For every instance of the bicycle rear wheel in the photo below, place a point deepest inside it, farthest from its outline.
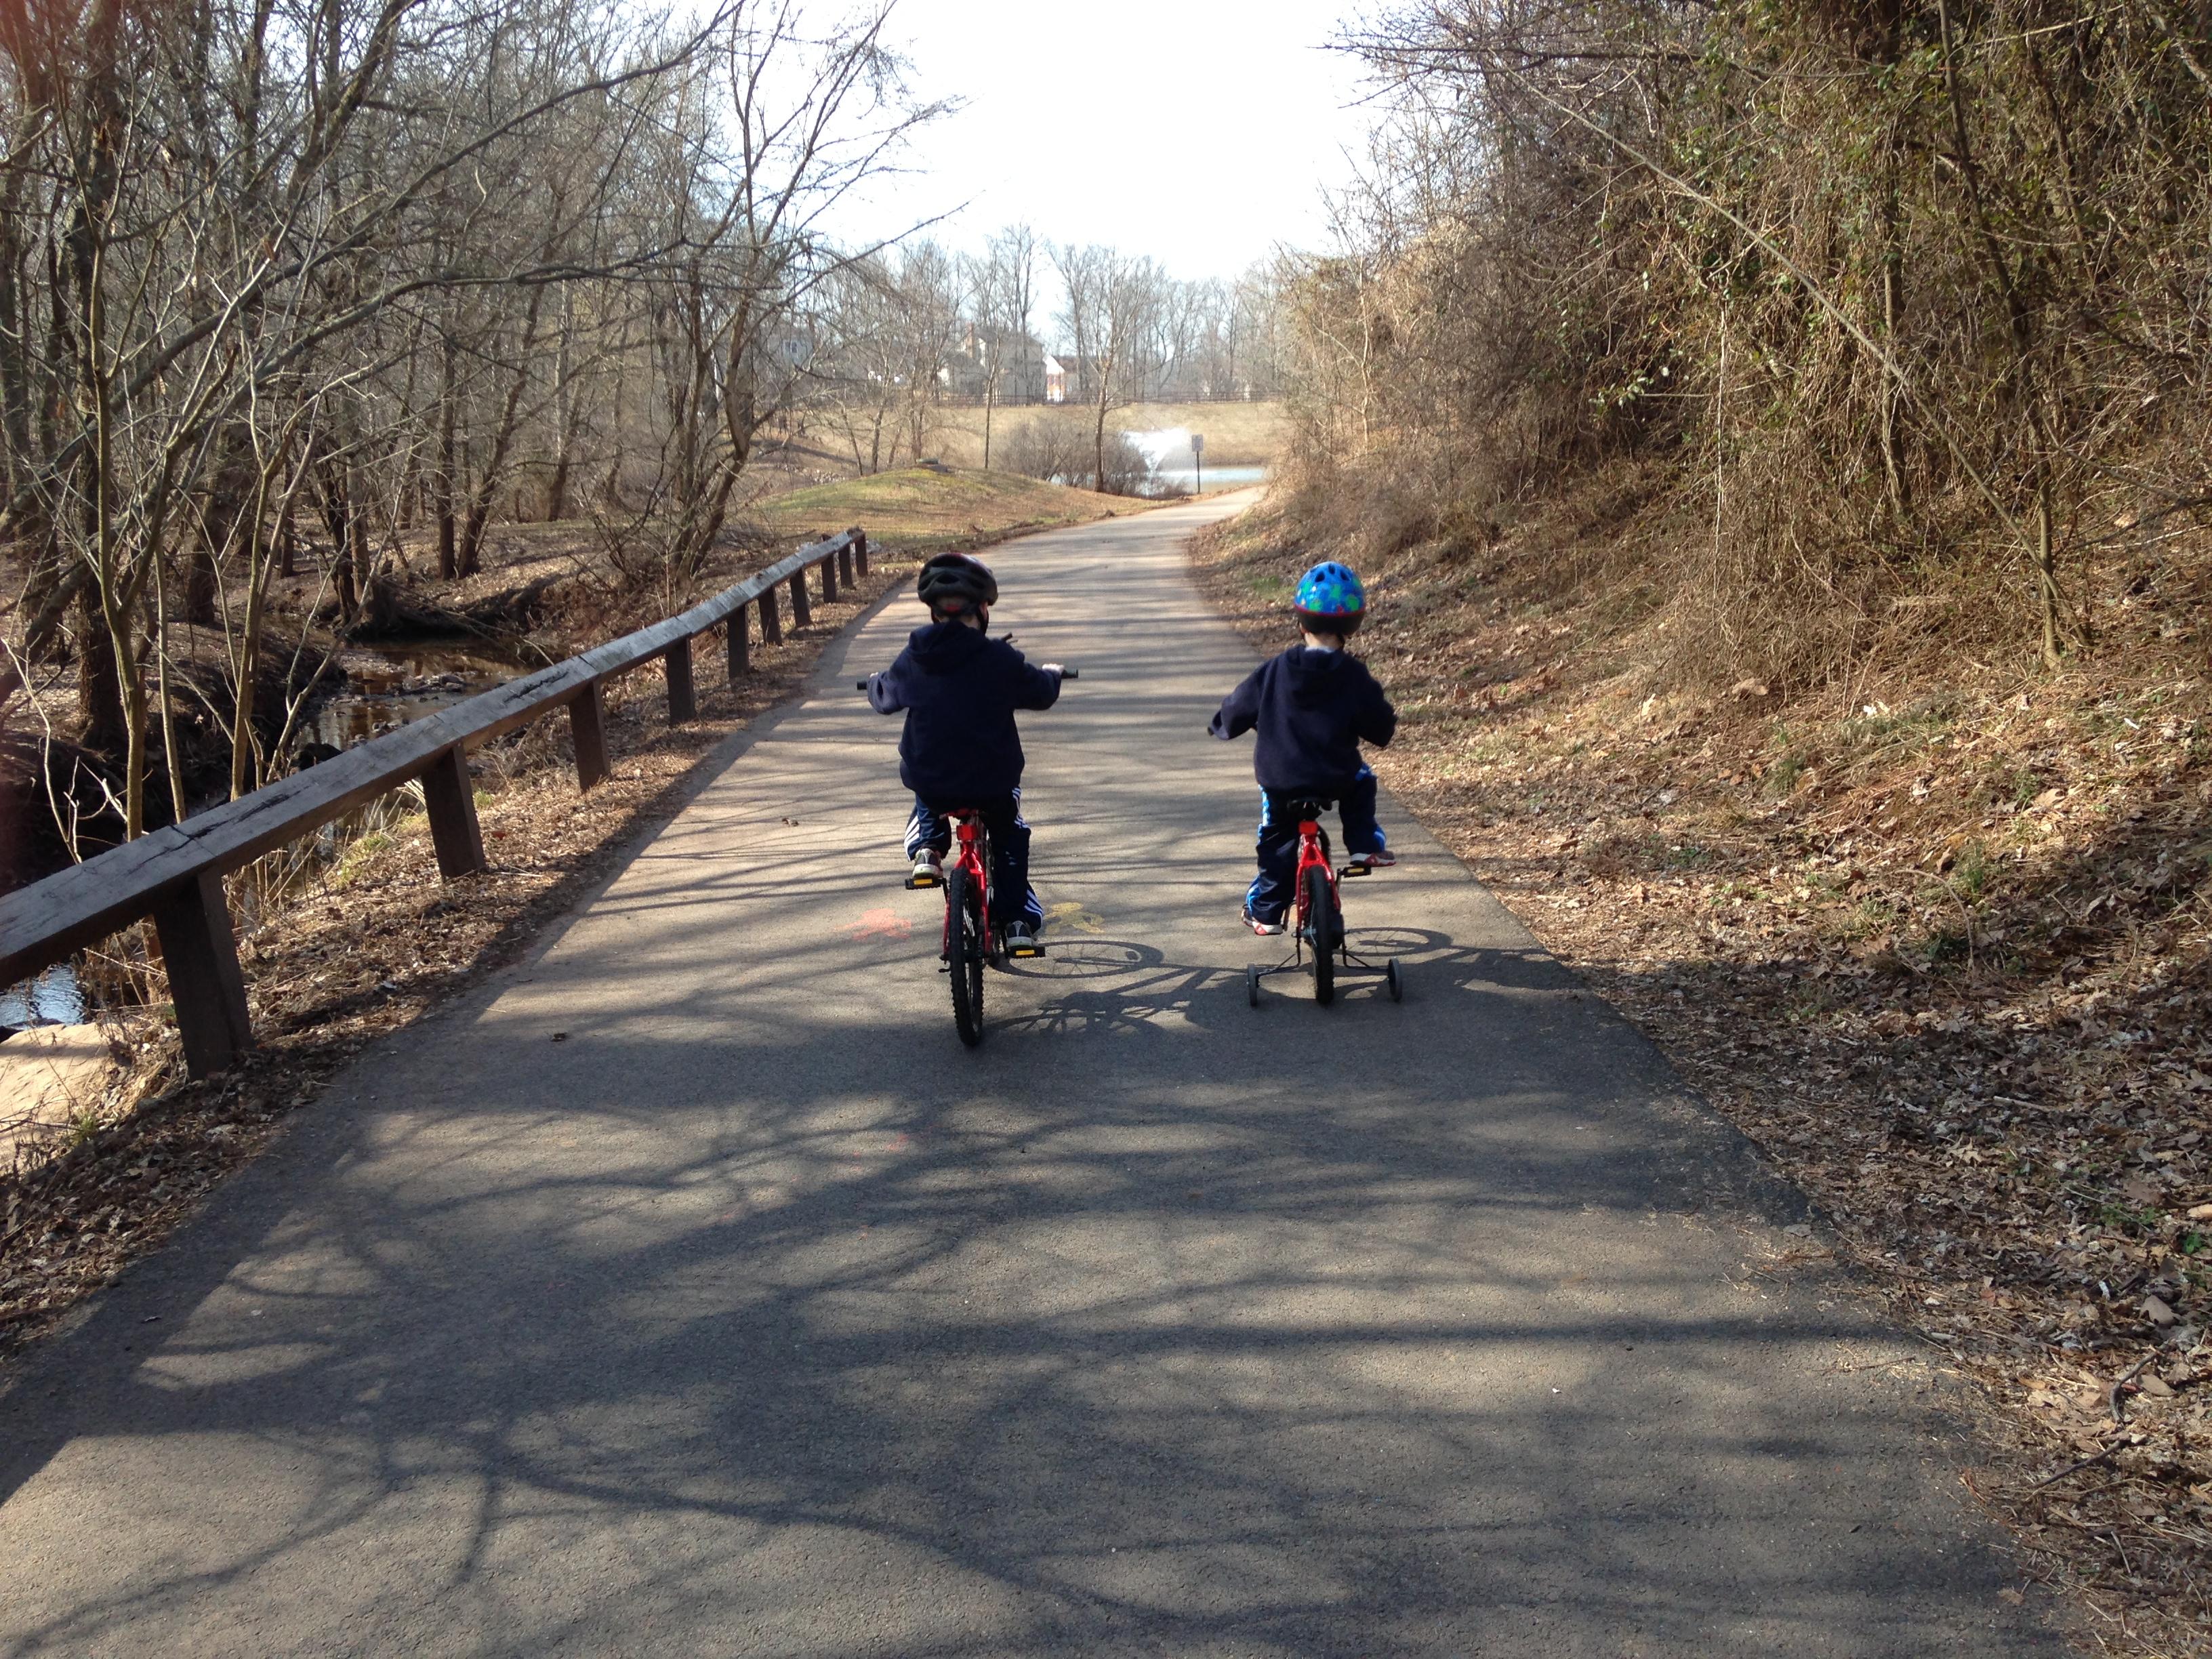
(1321, 933)
(964, 953)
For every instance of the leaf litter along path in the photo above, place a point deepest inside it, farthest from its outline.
(1946, 963)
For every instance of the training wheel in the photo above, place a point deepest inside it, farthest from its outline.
(1394, 980)
(1252, 986)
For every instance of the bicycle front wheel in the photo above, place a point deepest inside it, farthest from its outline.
(964, 953)
(1322, 930)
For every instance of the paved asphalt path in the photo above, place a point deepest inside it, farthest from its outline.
(692, 1290)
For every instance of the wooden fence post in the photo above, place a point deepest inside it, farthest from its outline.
(683, 695)
(447, 792)
(861, 551)
(201, 954)
(741, 643)
(802, 612)
(845, 564)
(588, 725)
(771, 619)
(829, 580)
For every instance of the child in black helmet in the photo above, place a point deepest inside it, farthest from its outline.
(959, 689)
(1313, 707)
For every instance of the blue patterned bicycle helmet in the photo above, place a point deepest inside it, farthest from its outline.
(1330, 599)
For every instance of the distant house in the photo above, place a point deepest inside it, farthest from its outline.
(967, 372)
(1068, 377)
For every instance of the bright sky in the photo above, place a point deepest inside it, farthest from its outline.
(1201, 133)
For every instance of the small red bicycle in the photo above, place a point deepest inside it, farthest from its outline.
(1317, 918)
(971, 939)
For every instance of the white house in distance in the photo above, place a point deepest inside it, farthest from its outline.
(1067, 376)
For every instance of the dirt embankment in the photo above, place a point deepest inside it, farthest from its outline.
(1940, 944)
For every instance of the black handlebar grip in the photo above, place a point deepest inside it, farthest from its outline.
(860, 685)
(1069, 674)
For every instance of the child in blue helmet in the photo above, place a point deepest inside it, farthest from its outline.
(1313, 707)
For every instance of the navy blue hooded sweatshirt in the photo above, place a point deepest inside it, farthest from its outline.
(1312, 708)
(960, 688)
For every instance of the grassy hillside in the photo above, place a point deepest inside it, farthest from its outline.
(928, 507)
(1237, 435)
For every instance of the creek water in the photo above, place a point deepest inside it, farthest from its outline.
(390, 686)
(1174, 465)
(1214, 479)
(52, 998)
(385, 688)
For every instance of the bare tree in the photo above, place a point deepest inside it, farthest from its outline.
(265, 261)
(1111, 317)
(1002, 292)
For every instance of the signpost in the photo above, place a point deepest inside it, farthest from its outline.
(1198, 462)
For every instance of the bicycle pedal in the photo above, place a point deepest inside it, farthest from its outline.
(1351, 870)
(1024, 953)
(915, 884)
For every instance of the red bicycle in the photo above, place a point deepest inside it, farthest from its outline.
(971, 939)
(1318, 918)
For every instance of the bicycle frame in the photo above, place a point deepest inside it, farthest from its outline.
(1314, 855)
(971, 852)
(969, 880)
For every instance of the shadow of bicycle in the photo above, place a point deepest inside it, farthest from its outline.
(1124, 986)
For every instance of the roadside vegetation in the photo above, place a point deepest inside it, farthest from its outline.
(1237, 433)
(1775, 437)
(924, 510)
(349, 937)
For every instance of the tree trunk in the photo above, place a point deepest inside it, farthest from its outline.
(99, 694)
(510, 421)
(448, 557)
(1098, 438)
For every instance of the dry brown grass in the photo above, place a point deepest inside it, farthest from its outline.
(926, 507)
(1940, 941)
(1237, 435)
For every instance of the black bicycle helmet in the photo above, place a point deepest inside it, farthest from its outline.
(953, 582)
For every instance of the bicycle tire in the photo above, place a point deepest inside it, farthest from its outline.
(964, 953)
(1321, 908)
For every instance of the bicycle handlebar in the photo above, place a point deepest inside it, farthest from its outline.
(1065, 673)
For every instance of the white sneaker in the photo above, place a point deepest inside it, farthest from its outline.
(928, 869)
(1380, 859)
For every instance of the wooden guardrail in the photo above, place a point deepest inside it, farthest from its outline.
(175, 874)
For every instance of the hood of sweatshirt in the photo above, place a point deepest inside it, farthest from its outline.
(1315, 676)
(940, 648)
